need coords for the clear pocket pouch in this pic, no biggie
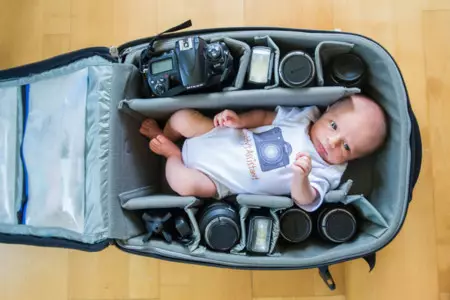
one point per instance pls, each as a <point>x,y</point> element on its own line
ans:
<point>54,151</point>
<point>11,172</point>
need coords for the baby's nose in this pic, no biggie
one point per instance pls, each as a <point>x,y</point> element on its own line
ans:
<point>334,140</point>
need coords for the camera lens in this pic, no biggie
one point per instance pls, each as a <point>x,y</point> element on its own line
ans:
<point>219,226</point>
<point>347,70</point>
<point>337,223</point>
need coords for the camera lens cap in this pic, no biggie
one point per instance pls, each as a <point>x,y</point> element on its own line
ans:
<point>222,233</point>
<point>295,225</point>
<point>297,69</point>
<point>348,69</point>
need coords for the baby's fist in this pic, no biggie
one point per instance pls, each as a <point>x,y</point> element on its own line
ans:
<point>227,118</point>
<point>302,164</point>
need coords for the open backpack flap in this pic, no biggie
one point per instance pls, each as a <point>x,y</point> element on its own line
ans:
<point>76,173</point>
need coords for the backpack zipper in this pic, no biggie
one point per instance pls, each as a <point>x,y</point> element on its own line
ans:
<point>55,62</point>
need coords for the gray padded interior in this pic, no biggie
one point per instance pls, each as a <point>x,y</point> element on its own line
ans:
<point>381,178</point>
<point>189,205</point>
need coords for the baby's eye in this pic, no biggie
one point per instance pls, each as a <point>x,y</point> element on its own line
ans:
<point>346,147</point>
<point>333,125</point>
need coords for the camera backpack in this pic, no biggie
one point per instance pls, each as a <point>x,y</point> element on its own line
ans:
<point>79,174</point>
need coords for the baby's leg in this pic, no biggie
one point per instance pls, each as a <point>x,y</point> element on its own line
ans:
<point>187,123</point>
<point>183,180</point>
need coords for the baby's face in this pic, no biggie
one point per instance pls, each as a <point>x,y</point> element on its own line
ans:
<point>348,130</point>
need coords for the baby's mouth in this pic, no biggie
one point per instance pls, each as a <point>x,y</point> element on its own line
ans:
<point>322,151</point>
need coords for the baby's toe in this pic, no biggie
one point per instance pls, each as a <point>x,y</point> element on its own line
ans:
<point>155,143</point>
<point>162,139</point>
<point>143,130</point>
<point>147,122</point>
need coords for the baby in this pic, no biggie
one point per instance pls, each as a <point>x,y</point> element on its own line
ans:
<point>287,151</point>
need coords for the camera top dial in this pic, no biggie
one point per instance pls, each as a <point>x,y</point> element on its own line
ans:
<point>214,51</point>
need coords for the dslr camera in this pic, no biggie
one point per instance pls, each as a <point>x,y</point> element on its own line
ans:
<point>192,65</point>
<point>273,151</point>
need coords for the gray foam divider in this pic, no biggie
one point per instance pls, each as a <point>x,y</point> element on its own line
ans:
<point>161,108</point>
<point>324,52</point>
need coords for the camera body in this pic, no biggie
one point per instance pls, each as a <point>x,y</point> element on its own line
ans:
<point>273,151</point>
<point>162,72</point>
<point>194,64</point>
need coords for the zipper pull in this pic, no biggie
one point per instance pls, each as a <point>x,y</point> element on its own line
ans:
<point>114,52</point>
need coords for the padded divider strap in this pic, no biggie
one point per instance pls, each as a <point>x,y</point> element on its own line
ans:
<point>239,248</point>
<point>340,193</point>
<point>275,230</point>
<point>196,235</point>
<point>157,201</point>
<point>264,201</point>
<point>123,106</point>
<point>160,108</point>
<point>136,193</point>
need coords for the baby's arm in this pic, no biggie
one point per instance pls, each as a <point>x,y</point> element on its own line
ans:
<point>301,190</point>
<point>251,119</point>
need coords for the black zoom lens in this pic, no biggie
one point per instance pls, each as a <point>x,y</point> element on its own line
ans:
<point>219,226</point>
<point>347,70</point>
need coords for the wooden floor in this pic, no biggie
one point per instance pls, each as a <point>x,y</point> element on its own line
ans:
<point>415,266</point>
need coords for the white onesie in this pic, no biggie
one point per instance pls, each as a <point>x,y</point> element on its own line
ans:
<point>258,161</point>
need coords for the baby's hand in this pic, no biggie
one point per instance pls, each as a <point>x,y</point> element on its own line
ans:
<point>302,164</point>
<point>227,118</point>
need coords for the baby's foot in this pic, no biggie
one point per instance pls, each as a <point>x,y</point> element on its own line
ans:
<point>150,128</point>
<point>165,147</point>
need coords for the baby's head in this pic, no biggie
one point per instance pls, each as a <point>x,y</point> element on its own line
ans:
<point>351,128</point>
